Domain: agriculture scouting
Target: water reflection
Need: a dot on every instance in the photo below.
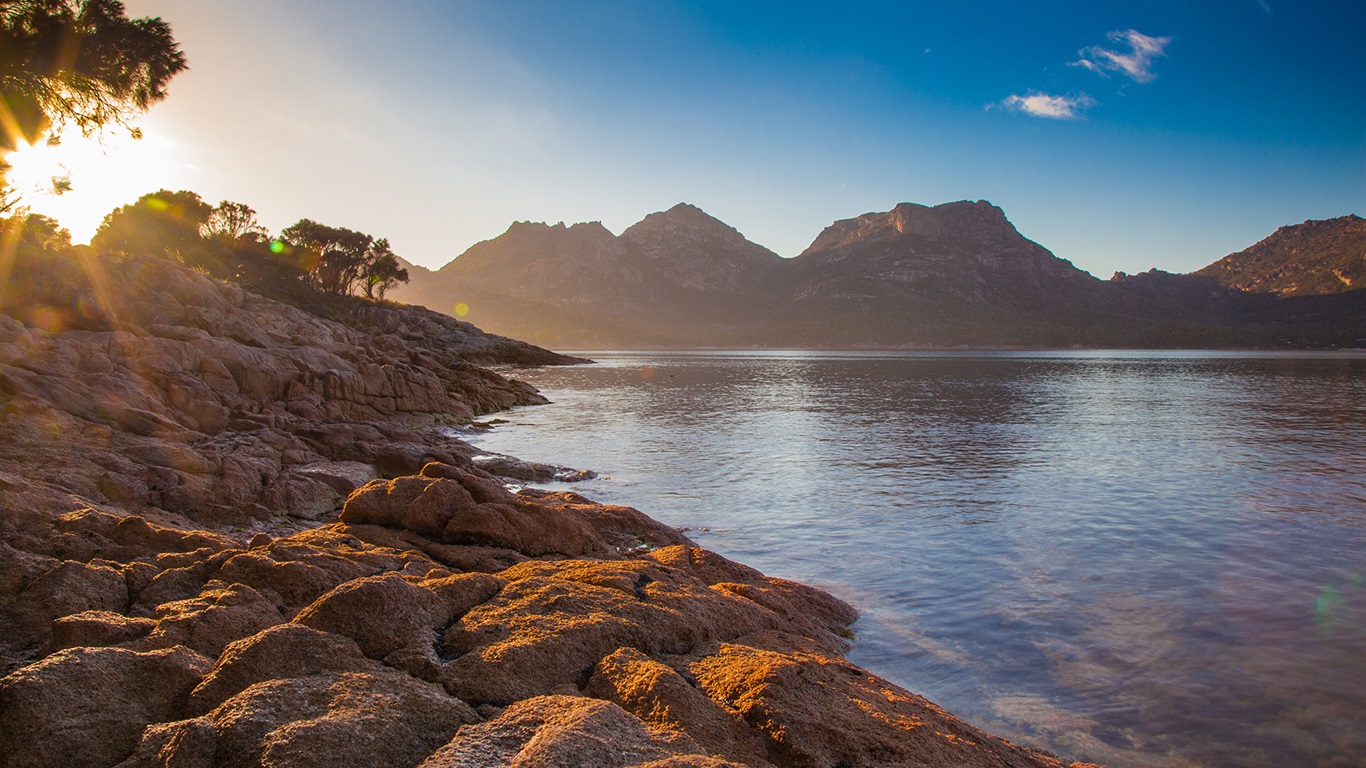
(1134, 558)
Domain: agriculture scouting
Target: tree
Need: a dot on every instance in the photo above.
(231, 221)
(243, 251)
(383, 271)
(162, 223)
(341, 260)
(9, 198)
(78, 62)
(33, 232)
(333, 256)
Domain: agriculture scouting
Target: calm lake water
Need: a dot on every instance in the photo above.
(1134, 558)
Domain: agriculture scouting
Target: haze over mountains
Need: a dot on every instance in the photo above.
(957, 274)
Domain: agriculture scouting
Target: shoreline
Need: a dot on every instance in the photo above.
(234, 532)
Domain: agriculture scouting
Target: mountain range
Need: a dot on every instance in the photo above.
(957, 274)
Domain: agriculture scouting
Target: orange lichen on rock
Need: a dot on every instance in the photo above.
(454, 506)
(818, 710)
(567, 731)
(388, 639)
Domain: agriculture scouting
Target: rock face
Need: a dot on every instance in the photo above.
(696, 252)
(179, 394)
(179, 588)
(962, 252)
(1313, 258)
(914, 276)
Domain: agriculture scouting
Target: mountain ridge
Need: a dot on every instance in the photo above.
(953, 274)
(1331, 248)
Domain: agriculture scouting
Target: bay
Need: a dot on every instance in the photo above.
(1133, 558)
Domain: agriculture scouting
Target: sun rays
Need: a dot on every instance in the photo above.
(80, 179)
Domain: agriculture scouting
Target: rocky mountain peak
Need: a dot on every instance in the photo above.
(687, 222)
(526, 243)
(695, 250)
(539, 229)
(1311, 258)
(978, 222)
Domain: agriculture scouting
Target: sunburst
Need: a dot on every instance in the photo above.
(80, 179)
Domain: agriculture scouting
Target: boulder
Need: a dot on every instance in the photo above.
(560, 732)
(382, 719)
(381, 613)
(282, 652)
(97, 629)
(87, 707)
(663, 699)
(65, 589)
(822, 711)
(451, 505)
(554, 622)
(210, 621)
(529, 471)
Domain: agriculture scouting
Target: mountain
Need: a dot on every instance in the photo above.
(956, 274)
(1301, 286)
(677, 278)
(962, 252)
(1309, 259)
(691, 250)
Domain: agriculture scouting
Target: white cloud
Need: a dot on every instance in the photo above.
(1046, 105)
(1265, 6)
(1136, 62)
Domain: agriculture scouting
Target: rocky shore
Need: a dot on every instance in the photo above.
(233, 533)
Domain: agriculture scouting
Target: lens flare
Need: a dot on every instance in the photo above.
(462, 309)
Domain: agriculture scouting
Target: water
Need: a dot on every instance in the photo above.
(1133, 558)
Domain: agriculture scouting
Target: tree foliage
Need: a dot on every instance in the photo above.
(162, 223)
(230, 222)
(227, 241)
(79, 62)
(33, 232)
(344, 261)
(383, 271)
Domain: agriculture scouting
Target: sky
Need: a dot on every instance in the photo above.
(1121, 136)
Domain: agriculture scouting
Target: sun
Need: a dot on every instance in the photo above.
(80, 179)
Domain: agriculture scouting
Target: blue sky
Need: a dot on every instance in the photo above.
(1119, 135)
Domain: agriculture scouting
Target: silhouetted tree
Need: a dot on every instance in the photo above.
(9, 198)
(34, 284)
(33, 232)
(230, 222)
(383, 270)
(342, 261)
(79, 62)
(162, 223)
(243, 251)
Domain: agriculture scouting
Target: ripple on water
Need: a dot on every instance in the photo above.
(1132, 558)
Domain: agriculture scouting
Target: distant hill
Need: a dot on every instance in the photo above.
(677, 278)
(689, 250)
(1309, 259)
(957, 274)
